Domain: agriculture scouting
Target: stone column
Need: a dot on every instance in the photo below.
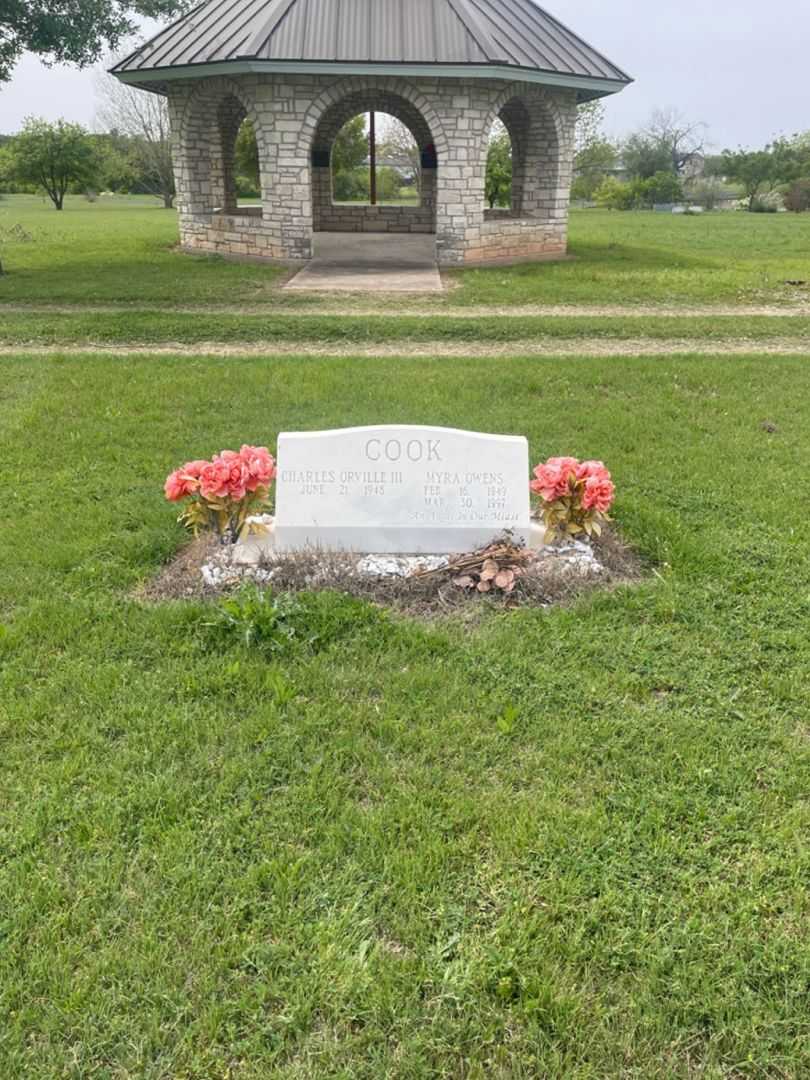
(194, 137)
(281, 111)
(462, 109)
(548, 159)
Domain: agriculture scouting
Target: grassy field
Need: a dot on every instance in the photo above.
(565, 843)
(106, 252)
(340, 861)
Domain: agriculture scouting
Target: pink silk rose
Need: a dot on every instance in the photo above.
(553, 479)
(179, 485)
(598, 493)
(238, 474)
(260, 465)
(592, 468)
(194, 468)
(215, 478)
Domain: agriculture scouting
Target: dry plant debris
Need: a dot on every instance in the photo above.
(497, 566)
(511, 576)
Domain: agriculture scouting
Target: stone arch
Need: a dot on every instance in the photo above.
(339, 104)
(396, 87)
(535, 128)
(209, 124)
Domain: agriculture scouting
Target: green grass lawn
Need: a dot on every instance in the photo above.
(558, 843)
(158, 327)
(121, 251)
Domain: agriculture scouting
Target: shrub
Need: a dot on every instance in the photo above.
(706, 193)
(350, 185)
(247, 188)
(663, 187)
(613, 194)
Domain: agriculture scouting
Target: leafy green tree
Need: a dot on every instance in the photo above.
(753, 169)
(591, 165)
(350, 181)
(72, 31)
(644, 157)
(350, 148)
(53, 156)
(115, 171)
(498, 184)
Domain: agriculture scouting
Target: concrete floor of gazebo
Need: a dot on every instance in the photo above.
(370, 262)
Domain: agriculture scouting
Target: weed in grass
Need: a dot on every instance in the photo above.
(260, 617)
(278, 622)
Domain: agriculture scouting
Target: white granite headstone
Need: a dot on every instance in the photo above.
(400, 489)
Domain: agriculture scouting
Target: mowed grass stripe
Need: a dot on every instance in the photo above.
(163, 327)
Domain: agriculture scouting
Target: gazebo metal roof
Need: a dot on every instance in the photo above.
(467, 38)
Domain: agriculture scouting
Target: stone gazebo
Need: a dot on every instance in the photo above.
(299, 69)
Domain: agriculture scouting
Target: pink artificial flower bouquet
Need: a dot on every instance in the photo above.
(225, 491)
(576, 496)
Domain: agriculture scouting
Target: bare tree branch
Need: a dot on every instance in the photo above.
(144, 118)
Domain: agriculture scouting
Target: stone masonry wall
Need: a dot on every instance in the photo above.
(286, 112)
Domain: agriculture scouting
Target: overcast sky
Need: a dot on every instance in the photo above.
(739, 65)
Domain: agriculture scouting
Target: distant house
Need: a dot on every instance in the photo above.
(694, 167)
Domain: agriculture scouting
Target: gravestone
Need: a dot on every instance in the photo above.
(398, 490)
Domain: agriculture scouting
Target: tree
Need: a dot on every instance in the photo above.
(350, 182)
(588, 129)
(753, 169)
(642, 157)
(144, 117)
(667, 144)
(595, 155)
(398, 142)
(71, 31)
(591, 165)
(498, 184)
(350, 148)
(52, 156)
(683, 139)
(115, 167)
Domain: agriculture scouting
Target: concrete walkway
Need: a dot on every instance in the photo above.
(370, 262)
